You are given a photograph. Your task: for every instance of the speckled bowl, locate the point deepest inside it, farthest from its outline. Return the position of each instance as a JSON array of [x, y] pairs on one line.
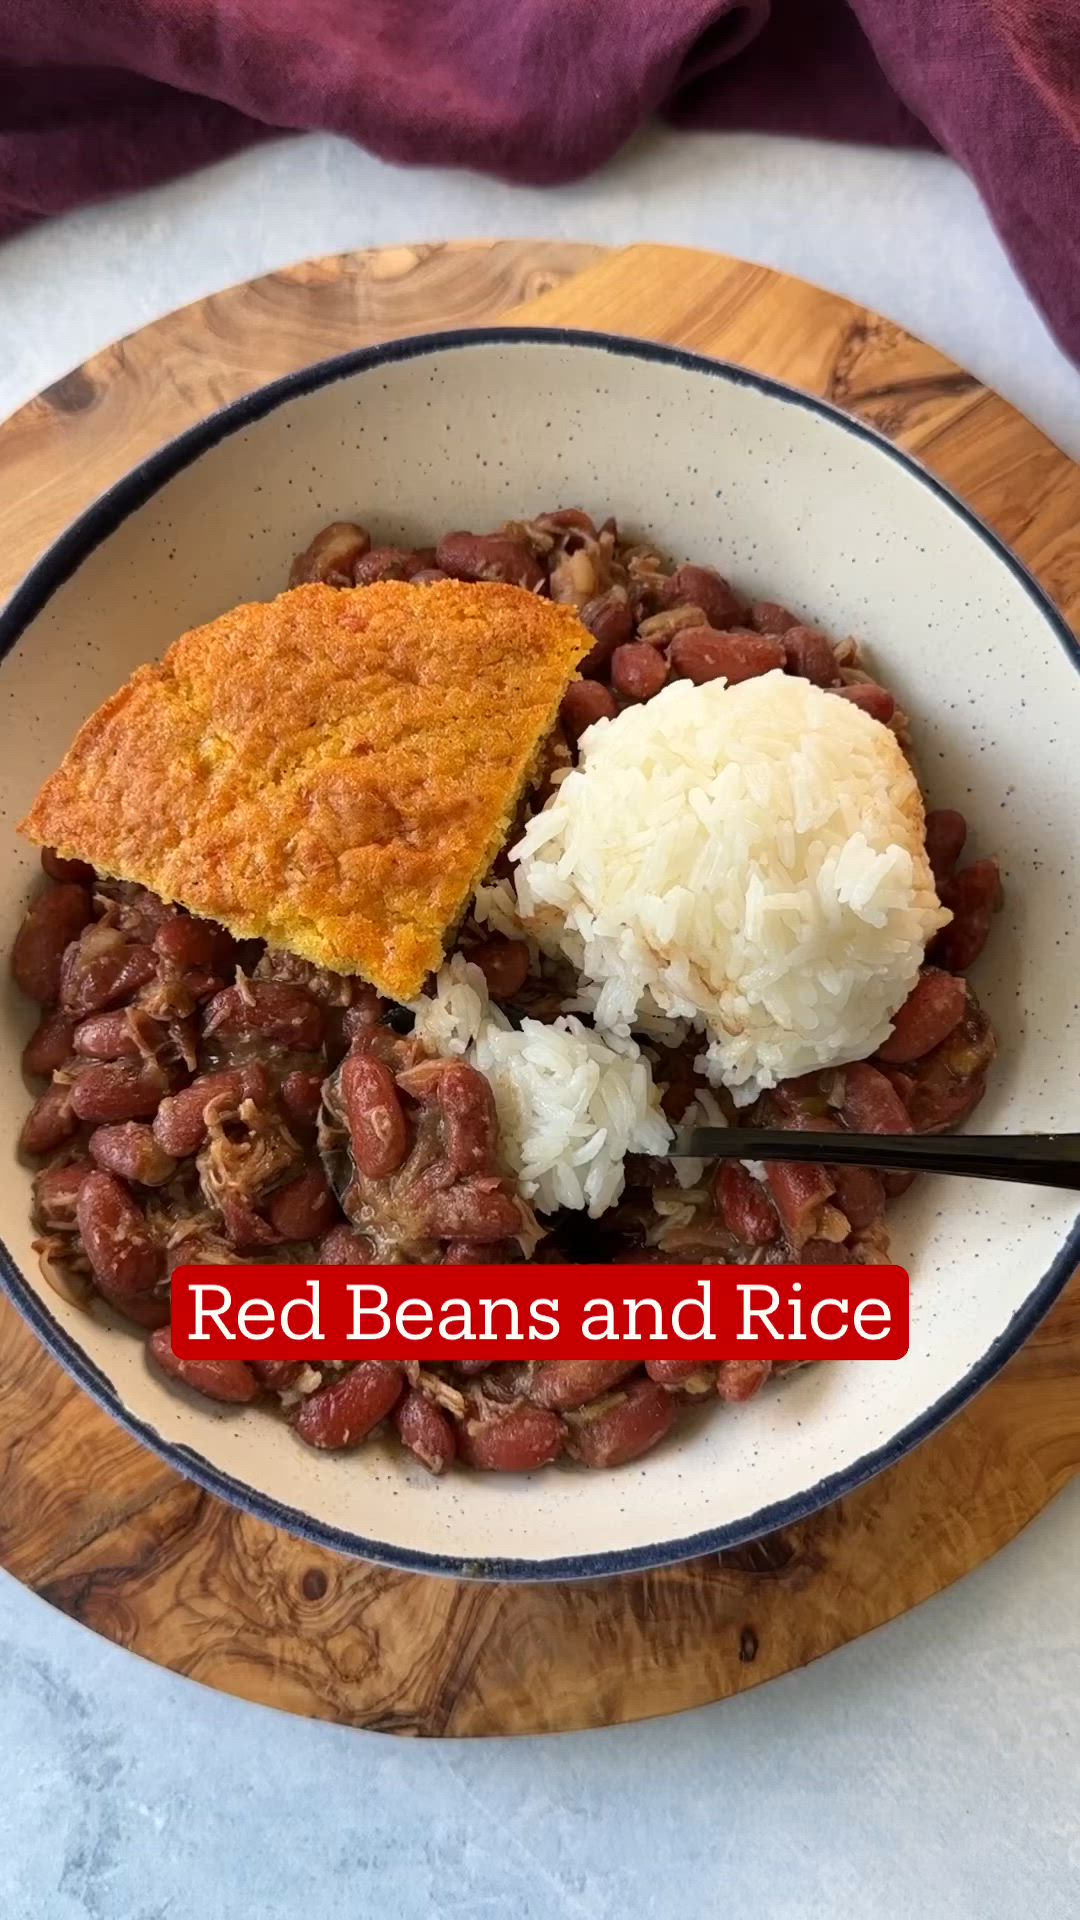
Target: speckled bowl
[[795, 502]]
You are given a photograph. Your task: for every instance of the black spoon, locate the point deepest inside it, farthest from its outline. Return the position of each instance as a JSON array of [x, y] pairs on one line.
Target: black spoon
[[1034, 1159]]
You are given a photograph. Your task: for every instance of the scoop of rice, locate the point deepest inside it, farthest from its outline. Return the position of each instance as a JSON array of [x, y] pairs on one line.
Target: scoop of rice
[[752, 858], [571, 1104]]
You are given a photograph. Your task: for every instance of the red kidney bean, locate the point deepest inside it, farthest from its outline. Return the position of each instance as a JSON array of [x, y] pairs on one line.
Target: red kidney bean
[[374, 1115], [504, 965], [610, 620], [180, 1121], [115, 1090], [345, 1246], [705, 588], [343, 1414], [74, 873], [585, 702], [231, 1381], [425, 1430], [276, 1374], [567, 520], [744, 1206], [638, 671], [118, 1243], [130, 1151], [738, 1380], [801, 1194], [937, 1104], [56, 1193], [92, 978], [877, 701], [768, 616], [49, 1122], [973, 896], [269, 1010], [303, 1209], [809, 654], [672, 1373], [50, 1044], [382, 563], [301, 1097], [478, 1253], [56, 918], [489, 556], [700, 655], [106, 1036], [871, 1102], [563, 1384], [515, 1442], [472, 1211], [331, 556], [946, 832], [932, 1009], [638, 1420], [860, 1195], [185, 942], [470, 1125]]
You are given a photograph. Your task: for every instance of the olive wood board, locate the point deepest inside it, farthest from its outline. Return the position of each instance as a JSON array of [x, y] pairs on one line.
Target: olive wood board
[[121, 1542]]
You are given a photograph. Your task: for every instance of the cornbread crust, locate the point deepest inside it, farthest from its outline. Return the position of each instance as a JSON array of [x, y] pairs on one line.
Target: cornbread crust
[[332, 771]]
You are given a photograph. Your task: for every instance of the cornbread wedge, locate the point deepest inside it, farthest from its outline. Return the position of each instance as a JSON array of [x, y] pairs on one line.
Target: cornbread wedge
[[332, 771]]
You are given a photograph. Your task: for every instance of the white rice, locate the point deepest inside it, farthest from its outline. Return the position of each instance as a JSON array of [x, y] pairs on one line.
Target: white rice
[[752, 859], [571, 1103]]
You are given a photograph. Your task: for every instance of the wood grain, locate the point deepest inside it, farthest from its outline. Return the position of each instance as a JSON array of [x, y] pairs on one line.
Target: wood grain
[[118, 1540]]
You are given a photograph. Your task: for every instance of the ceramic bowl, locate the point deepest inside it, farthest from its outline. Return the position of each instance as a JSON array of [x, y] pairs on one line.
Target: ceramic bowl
[[794, 501]]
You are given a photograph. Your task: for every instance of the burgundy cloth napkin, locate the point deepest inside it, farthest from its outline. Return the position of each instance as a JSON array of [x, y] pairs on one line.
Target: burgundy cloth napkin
[[99, 96]]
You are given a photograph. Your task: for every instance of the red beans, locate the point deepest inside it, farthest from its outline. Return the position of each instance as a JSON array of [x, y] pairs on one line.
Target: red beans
[[860, 1195], [738, 1380], [56, 1193], [801, 1194], [270, 1010], [700, 655], [974, 896], [489, 556], [610, 620], [637, 1421], [768, 616], [180, 1124], [877, 701], [515, 1442], [185, 942], [744, 1206], [342, 1415], [638, 671], [383, 563], [303, 1209], [131, 1151], [332, 555], [563, 1384], [118, 1090], [96, 975], [473, 1210], [504, 965], [50, 1044], [345, 1246], [49, 1122], [113, 1229], [946, 832], [470, 1126], [375, 1116], [73, 873], [705, 588], [425, 1430], [231, 1381], [301, 1097], [808, 654], [56, 918], [585, 702], [932, 1009], [105, 1036], [871, 1102]]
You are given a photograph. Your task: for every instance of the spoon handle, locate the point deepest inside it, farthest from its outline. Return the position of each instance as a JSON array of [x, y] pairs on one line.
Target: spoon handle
[[1036, 1159]]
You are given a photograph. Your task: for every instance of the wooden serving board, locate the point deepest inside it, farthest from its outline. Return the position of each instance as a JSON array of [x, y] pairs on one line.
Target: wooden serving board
[[118, 1540]]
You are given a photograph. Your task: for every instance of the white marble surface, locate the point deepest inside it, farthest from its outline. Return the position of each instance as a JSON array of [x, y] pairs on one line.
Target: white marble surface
[[930, 1769]]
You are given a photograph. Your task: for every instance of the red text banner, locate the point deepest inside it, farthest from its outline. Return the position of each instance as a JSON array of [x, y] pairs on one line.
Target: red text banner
[[713, 1313]]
